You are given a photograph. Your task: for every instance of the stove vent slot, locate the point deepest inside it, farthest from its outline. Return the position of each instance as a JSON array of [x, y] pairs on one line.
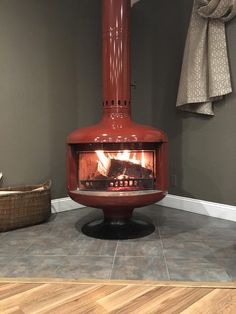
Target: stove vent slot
[[119, 102]]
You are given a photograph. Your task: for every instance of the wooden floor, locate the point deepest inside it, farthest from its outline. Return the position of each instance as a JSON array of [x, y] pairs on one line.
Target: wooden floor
[[57, 296]]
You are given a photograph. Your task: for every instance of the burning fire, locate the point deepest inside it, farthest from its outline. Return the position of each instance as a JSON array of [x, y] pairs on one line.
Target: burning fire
[[104, 162], [104, 159], [119, 170]]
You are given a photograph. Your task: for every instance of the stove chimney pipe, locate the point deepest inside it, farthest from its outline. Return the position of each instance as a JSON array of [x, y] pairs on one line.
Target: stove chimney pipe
[[116, 55]]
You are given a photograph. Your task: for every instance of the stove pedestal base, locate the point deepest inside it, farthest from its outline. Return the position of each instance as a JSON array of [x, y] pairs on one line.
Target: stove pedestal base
[[118, 229]]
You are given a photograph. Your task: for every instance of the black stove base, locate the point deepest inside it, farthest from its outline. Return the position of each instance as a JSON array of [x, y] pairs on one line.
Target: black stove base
[[118, 229]]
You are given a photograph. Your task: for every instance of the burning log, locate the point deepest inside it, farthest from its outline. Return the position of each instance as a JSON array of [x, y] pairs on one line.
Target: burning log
[[121, 169], [120, 175]]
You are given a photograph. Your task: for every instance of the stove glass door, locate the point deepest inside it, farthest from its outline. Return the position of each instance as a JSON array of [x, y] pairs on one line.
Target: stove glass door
[[116, 170]]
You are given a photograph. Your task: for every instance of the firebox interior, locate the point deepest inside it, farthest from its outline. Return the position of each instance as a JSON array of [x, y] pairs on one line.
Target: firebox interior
[[116, 170]]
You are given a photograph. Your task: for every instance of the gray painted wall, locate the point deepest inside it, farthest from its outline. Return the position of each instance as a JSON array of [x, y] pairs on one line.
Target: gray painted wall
[[37, 90], [202, 150], [89, 62]]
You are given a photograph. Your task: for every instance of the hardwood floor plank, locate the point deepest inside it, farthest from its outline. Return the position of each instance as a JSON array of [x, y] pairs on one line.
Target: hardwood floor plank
[[21, 296], [14, 310], [182, 299], [6, 286], [51, 299], [218, 301], [145, 302], [3, 284], [86, 303], [47, 297], [12, 291], [123, 296]]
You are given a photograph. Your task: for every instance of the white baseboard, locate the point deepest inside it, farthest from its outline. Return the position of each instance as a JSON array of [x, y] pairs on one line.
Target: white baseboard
[[192, 205], [64, 204], [196, 206]]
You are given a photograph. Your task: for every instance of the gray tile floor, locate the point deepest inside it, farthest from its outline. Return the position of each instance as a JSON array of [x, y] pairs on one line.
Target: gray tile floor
[[184, 246]]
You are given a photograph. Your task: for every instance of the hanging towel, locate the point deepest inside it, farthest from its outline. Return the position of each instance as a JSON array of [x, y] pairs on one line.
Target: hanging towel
[[133, 2], [205, 75]]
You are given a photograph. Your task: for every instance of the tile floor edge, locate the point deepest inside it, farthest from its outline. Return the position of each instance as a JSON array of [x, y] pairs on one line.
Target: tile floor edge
[[202, 284]]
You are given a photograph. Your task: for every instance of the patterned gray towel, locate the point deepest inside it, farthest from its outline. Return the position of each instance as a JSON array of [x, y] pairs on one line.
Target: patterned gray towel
[[205, 75]]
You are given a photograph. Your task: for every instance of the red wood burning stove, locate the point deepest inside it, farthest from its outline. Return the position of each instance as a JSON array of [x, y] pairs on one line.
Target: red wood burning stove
[[117, 165]]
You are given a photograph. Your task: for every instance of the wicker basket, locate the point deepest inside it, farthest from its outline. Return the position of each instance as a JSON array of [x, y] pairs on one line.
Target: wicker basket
[[29, 206]]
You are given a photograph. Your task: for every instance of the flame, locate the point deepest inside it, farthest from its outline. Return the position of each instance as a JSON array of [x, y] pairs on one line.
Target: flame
[[143, 160], [104, 159], [103, 162]]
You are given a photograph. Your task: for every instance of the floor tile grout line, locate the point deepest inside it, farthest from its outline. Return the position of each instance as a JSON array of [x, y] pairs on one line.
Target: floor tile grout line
[[167, 270], [27, 248], [113, 261], [228, 273], [84, 255], [108, 256]]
